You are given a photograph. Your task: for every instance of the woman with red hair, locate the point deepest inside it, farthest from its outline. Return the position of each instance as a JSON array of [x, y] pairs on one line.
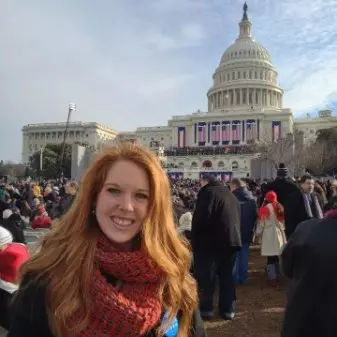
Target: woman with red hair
[[115, 265], [271, 232]]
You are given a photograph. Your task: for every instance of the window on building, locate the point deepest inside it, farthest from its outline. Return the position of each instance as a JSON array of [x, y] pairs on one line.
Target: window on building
[[47, 135], [233, 75], [30, 147], [244, 74], [235, 165], [239, 74], [37, 135], [59, 135], [53, 135], [237, 97], [250, 96]]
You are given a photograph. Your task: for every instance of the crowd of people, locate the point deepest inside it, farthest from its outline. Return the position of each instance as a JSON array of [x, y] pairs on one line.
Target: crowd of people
[[120, 241], [210, 150]]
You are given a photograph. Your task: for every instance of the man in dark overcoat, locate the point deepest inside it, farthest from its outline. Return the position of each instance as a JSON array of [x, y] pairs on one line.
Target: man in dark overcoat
[[302, 205], [309, 262], [216, 239]]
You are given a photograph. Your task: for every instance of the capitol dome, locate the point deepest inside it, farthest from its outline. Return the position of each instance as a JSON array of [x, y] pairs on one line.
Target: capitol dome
[[245, 75]]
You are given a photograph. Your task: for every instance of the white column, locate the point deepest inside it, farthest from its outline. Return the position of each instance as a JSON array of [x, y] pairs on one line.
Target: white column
[[234, 97]]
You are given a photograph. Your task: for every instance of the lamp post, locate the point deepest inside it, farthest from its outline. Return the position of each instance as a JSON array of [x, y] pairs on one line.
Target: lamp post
[[72, 107], [41, 159]]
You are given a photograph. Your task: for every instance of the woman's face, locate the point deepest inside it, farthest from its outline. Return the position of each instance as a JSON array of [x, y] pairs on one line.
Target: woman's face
[[122, 204]]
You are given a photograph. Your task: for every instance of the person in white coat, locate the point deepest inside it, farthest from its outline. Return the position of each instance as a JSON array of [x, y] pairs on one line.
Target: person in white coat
[[271, 231]]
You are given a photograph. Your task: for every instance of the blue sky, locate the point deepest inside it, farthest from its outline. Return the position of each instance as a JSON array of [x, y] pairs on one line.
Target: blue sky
[[130, 63]]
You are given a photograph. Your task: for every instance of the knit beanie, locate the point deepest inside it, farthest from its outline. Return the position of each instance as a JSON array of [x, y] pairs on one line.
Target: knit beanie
[[5, 237], [282, 171]]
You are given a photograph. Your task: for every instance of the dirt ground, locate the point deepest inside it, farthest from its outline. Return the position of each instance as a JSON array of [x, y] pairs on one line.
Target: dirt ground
[[260, 307]]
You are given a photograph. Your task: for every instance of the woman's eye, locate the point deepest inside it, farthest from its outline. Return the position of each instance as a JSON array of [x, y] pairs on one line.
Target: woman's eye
[[141, 196], [113, 191]]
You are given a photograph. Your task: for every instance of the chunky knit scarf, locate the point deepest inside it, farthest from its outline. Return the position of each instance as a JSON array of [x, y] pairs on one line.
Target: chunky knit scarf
[[128, 307]]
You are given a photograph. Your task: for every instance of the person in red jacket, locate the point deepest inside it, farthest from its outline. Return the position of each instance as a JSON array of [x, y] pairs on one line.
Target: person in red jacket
[[42, 220], [12, 256]]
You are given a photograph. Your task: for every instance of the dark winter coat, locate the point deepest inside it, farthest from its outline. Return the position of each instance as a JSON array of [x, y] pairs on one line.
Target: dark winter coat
[[15, 228], [295, 212], [63, 206], [309, 261], [248, 213], [29, 316], [216, 220], [283, 188]]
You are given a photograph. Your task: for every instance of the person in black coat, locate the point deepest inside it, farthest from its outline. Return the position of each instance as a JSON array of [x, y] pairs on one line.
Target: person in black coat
[[283, 186], [248, 216], [309, 262], [303, 205], [216, 238]]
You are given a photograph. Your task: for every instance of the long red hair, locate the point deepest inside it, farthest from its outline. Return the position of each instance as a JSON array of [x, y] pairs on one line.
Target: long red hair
[[66, 255]]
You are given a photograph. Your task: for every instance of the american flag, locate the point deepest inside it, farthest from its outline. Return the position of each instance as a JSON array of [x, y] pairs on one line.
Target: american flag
[[202, 133], [225, 132], [215, 132], [276, 131], [181, 138], [251, 131], [236, 132]]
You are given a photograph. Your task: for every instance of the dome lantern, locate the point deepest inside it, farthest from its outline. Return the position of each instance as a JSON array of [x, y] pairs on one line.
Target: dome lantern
[[245, 24]]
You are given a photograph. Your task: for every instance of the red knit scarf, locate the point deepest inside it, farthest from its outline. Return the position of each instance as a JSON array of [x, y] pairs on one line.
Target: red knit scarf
[[132, 306]]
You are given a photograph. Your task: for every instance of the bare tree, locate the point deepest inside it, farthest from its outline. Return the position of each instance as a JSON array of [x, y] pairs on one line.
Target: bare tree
[[320, 157], [281, 151]]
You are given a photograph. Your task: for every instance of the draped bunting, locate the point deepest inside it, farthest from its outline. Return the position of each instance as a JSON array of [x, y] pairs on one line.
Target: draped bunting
[[276, 131]]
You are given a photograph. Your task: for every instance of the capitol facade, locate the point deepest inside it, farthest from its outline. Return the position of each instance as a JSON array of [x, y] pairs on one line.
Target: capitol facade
[[245, 107]]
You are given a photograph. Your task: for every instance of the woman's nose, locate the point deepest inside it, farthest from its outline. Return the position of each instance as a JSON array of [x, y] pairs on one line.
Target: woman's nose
[[126, 203]]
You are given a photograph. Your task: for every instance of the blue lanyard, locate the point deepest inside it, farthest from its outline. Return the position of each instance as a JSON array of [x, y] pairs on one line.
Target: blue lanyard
[[172, 330]]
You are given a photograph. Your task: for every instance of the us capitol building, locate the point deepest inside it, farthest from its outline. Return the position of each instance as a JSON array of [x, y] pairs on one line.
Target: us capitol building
[[245, 106]]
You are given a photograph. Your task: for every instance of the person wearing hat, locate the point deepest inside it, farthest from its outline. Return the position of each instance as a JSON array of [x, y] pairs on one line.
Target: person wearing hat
[[271, 234], [283, 186], [12, 255], [9, 222]]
